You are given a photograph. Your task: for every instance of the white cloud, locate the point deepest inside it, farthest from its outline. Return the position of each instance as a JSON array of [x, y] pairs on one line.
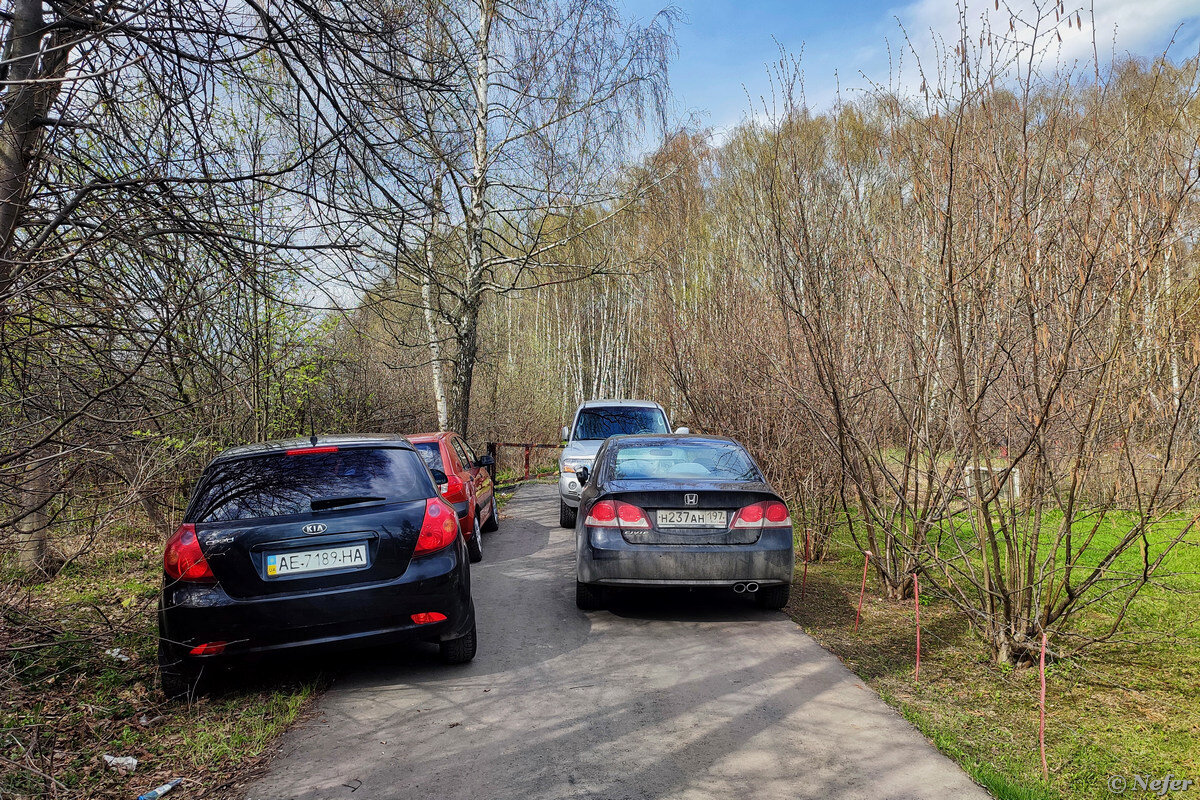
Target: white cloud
[[934, 28]]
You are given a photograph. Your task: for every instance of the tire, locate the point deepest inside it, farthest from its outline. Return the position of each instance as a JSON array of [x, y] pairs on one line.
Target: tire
[[773, 596], [566, 514], [493, 520], [475, 544], [460, 650], [589, 597], [177, 679]]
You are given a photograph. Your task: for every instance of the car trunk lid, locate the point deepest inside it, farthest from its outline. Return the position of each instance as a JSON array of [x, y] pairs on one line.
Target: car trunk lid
[[686, 514], [277, 555]]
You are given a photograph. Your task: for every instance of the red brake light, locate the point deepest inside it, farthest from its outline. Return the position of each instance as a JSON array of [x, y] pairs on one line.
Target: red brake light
[[751, 514], [778, 513], [426, 617], [602, 515], [311, 451], [616, 514], [209, 649], [767, 514], [183, 559], [454, 491], [438, 529], [631, 516]]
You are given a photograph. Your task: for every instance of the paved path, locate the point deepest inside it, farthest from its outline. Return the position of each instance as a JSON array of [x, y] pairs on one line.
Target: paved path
[[669, 695]]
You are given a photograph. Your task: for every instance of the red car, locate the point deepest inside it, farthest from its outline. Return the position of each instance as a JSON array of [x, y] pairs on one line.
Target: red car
[[468, 484]]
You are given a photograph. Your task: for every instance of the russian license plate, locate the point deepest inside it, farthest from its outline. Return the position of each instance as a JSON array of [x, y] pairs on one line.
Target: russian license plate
[[690, 519], [329, 558]]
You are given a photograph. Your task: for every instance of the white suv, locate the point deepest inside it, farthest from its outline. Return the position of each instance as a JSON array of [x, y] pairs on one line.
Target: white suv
[[595, 421]]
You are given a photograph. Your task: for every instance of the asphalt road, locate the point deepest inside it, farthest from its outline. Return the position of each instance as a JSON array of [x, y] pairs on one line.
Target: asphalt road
[[668, 695]]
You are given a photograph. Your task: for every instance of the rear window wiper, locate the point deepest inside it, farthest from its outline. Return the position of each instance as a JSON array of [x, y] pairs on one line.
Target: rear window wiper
[[322, 503]]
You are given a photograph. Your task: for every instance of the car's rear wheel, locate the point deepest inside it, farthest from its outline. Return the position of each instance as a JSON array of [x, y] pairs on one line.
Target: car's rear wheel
[[566, 514], [493, 520], [773, 596], [475, 544], [589, 597], [459, 650], [176, 678]]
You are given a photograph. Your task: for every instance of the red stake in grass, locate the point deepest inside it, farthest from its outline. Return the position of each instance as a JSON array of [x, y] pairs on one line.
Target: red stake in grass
[[917, 608], [807, 555], [1042, 710], [863, 593]]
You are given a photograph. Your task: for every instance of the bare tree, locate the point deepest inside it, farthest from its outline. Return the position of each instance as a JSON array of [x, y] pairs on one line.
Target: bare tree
[[523, 156], [134, 195], [975, 279]]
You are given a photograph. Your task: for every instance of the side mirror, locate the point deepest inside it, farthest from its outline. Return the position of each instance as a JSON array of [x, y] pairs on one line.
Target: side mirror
[[439, 478], [683, 430], [485, 461], [583, 473], [566, 433]]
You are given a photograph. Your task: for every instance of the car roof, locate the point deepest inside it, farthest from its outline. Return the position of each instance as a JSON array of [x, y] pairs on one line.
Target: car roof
[[433, 436], [670, 438], [325, 440], [619, 402]]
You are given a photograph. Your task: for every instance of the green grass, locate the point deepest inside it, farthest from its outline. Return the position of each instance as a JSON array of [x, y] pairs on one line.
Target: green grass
[[1130, 706], [1001, 785], [65, 701]]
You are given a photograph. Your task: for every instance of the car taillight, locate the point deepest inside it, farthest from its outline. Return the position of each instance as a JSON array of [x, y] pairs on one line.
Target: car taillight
[[777, 515], [454, 491], [767, 514], [439, 528], [602, 515], [183, 559], [428, 617], [617, 514]]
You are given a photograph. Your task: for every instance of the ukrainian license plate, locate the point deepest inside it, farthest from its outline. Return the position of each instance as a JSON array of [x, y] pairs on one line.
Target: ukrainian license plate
[[297, 562], [691, 519]]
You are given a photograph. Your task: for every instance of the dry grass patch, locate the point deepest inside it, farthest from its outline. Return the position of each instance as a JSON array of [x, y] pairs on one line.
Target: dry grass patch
[[77, 681]]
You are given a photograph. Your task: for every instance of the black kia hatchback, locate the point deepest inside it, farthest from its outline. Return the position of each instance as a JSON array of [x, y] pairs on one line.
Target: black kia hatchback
[[333, 541]]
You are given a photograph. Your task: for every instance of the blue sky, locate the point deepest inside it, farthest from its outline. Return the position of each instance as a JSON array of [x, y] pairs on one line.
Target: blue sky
[[725, 46]]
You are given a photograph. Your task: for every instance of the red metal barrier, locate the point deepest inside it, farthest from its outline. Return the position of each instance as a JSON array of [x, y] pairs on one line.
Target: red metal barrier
[[863, 593], [493, 449], [917, 611]]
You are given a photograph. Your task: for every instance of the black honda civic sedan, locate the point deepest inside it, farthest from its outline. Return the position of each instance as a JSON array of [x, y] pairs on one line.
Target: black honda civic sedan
[[665, 510], [330, 541]]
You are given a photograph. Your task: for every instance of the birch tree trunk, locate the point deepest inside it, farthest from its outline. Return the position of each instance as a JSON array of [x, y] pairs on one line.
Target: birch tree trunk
[[467, 321], [32, 540], [436, 364], [33, 83]]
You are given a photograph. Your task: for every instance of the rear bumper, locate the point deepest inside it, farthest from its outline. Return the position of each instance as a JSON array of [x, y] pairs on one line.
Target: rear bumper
[[604, 557], [192, 614]]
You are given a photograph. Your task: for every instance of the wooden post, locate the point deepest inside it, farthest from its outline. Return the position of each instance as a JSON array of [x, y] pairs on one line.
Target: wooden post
[[493, 450], [863, 593], [528, 450]]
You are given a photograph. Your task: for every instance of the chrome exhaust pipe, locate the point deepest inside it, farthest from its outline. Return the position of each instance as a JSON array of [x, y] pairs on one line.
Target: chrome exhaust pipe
[[752, 587], [739, 587]]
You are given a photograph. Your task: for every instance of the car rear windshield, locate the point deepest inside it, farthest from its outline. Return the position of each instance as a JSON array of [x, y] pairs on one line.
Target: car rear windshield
[[278, 484], [606, 421], [431, 453], [692, 461]]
